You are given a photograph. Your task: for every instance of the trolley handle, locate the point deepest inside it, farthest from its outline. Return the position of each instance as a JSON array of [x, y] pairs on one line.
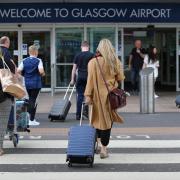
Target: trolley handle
[[90, 114], [68, 91]]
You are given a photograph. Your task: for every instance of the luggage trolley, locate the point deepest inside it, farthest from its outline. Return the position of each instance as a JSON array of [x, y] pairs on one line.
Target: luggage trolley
[[18, 120]]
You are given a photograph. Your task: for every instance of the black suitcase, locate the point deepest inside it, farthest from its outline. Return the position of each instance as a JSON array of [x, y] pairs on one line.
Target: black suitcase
[[81, 144], [177, 101], [61, 107]]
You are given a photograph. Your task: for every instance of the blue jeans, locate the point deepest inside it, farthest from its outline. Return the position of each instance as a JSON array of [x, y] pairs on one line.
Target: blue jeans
[[135, 79], [80, 88]]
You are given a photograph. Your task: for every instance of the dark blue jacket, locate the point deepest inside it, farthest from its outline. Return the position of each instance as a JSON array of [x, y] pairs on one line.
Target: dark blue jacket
[[31, 73]]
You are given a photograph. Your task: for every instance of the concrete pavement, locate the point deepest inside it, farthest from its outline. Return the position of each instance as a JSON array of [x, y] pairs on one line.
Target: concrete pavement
[[165, 103], [146, 146]]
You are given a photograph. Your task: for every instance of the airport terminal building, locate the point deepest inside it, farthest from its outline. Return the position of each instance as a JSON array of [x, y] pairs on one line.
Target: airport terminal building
[[58, 27]]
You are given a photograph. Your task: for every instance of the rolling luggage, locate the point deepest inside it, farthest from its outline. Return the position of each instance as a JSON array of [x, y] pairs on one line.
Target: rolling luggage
[[81, 144], [18, 120], [21, 119], [177, 101], [61, 107]]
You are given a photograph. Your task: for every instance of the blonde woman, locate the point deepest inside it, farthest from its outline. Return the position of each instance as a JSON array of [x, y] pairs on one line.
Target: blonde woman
[[96, 92]]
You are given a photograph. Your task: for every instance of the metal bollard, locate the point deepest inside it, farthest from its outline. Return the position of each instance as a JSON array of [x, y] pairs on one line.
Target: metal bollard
[[147, 104]]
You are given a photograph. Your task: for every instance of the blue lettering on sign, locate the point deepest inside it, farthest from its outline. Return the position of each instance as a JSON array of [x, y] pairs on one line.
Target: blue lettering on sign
[[89, 12]]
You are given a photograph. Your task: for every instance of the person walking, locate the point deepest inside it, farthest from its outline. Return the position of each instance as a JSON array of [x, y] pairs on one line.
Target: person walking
[[136, 60], [6, 99], [79, 75], [151, 60], [32, 69], [96, 92]]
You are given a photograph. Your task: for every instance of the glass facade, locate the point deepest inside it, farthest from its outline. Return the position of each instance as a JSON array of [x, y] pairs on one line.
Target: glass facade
[[164, 39], [42, 40], [13, 36], [95, 34], [68, 44]]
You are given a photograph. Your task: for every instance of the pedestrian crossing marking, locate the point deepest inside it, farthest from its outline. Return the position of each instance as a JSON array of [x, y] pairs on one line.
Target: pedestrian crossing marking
[[148, 158], [113, 144], [92, 175], [39, 155]]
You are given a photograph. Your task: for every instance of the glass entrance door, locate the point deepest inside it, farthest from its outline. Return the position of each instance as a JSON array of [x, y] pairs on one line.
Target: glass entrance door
[[13, 36], [164, 39], [68, 44], [166, 44], [178, 59], [42, 40], [95, 34]]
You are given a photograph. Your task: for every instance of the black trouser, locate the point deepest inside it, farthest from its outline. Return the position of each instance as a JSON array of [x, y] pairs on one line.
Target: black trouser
[[104, 135], [80, 87], [33, 94], [135, 79]]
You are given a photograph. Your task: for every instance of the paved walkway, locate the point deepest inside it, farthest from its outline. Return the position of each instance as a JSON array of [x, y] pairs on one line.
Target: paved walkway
[[165, 103]]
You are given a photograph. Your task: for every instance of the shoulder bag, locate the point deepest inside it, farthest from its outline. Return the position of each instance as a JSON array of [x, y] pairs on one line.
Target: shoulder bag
[[117, 97], [10, 83]]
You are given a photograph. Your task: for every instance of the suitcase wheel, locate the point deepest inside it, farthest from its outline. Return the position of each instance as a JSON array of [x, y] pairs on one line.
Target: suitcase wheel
[[91, 165], [50, 119], [15, 139], [69, 164], [90, 160], [177, 105]]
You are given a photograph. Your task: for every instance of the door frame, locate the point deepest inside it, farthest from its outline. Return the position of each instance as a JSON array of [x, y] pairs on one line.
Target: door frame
[[28, 27], [176, 27], [177, 60], [20, 42]]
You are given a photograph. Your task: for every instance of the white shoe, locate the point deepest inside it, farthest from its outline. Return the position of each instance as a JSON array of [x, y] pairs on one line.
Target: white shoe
[[156, 96], [33, 123]]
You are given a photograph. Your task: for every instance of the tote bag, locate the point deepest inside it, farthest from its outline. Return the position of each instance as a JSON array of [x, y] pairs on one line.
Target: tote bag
[[10, 83]]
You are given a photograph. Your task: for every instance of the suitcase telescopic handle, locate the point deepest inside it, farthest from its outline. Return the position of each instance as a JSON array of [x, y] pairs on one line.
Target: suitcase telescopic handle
[[90, 113], [68, 91]]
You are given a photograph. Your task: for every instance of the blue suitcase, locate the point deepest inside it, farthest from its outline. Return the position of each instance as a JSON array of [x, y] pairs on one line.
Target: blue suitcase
[[81, 144]]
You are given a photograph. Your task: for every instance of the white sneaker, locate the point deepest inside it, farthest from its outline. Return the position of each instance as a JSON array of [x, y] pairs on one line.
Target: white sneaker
[[156, 96], [33, 123]]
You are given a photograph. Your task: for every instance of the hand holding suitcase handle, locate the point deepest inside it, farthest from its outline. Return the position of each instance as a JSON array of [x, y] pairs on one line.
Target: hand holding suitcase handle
[[90, 114]]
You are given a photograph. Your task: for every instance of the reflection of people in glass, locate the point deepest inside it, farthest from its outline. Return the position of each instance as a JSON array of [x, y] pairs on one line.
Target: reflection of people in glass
[[136, 60], [80, 65], [151, 60], [32, 68]]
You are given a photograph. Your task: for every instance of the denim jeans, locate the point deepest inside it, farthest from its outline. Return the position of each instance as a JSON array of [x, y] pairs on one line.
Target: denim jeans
[[80, 88], [135, 79]]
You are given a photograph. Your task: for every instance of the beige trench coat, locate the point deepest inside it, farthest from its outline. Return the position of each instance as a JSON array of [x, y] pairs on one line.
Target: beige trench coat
[[102, 115]]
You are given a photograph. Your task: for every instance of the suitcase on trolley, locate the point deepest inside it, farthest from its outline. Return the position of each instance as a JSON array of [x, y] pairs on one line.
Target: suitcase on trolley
[[21, 116], [81, 144], [61, 107], [18, 120]]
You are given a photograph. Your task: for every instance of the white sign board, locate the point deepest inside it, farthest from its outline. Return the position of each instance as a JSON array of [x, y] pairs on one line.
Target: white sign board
[[24, 49]]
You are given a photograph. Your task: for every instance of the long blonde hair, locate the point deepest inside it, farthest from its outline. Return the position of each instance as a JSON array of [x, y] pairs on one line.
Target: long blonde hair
[[106, 49]]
